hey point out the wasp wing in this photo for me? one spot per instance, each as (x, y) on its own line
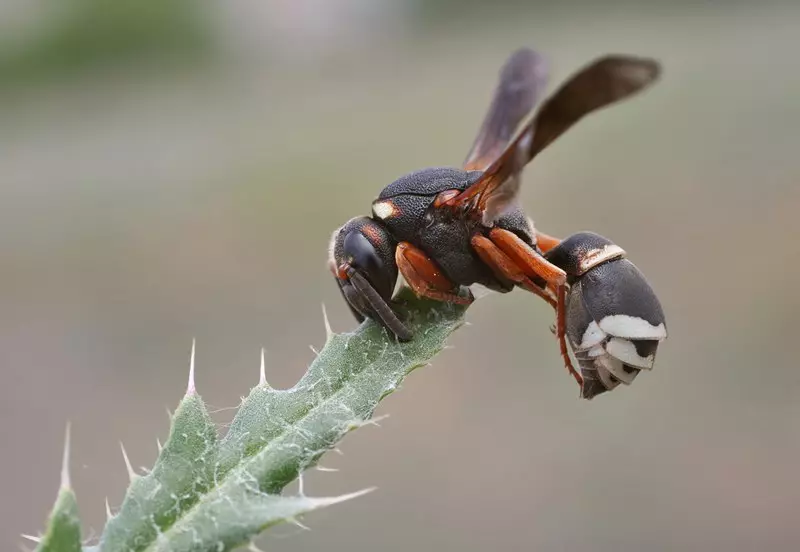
(521, 83)
(601, 83)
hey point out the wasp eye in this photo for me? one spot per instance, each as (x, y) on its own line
(365, 258)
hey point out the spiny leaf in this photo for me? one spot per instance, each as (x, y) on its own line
(236, 520)
(183, 471)
(64, 527)
(210, 495)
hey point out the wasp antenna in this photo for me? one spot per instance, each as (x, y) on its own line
(380, 307)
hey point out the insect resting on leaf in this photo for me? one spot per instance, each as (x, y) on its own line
(444, 229)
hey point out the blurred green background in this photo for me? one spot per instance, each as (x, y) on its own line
(173, 169)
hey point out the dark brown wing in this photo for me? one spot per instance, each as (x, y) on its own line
(601, 83)
(522, 81)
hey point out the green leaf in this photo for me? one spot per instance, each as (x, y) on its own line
(63, 532)
(205, 494)
(183, 472)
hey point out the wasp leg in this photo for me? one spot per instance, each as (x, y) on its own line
(425, 277)
(528, 259)
(505, 268)
(561, 333)
(504, 248)
(545, 241)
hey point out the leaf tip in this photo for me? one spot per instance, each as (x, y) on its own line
(262, 376)
(65, 480)
(357, 424)
(295, 521)
(131, 474)
(190, 388)
(31, 538)
(349, 496)
(328, 331)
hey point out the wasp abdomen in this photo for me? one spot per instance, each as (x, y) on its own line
(614, 321)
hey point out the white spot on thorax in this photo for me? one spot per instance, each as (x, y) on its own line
(384, 209)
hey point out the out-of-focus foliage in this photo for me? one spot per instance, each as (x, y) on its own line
(450, 9)
(76, 35)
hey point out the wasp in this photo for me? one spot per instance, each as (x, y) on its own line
(444, 229)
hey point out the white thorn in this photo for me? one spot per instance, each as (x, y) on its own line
(294, 521)
(169, 414)
(338, 451)
(65, 482)
(324, 469)
(328, 331)
(262, 377)
(31, 538)
(190, 389)
(131, 474)
(376, 420)
(158, 444)
(253, 548)
(109, 515)
(314, 350)
(300, 485)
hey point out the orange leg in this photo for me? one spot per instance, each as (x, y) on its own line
(505, 267)
(526, 257)
(546, 242)
(507, 254)
(425, 278)
(561, 333)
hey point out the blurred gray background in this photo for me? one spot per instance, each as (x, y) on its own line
(173, 169)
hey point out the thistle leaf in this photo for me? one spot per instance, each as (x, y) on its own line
(205, 494)
(183, 472)
(63, 532)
